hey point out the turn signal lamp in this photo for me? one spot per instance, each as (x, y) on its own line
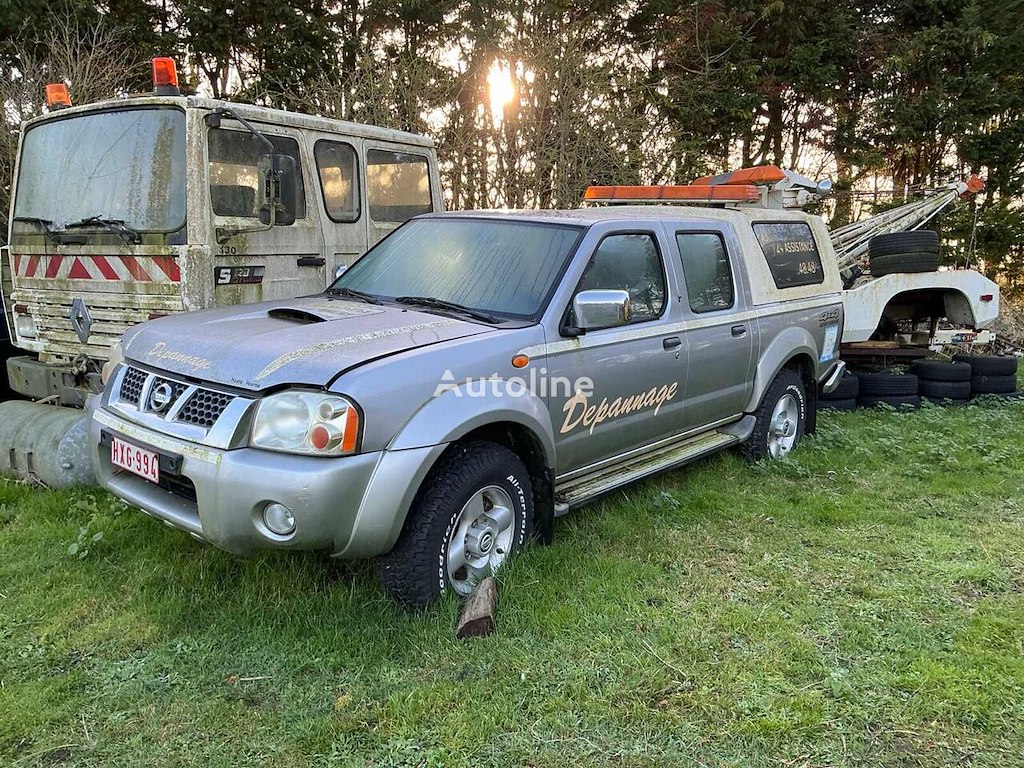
(57, 96)
(165, 76)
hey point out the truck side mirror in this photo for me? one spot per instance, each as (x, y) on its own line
(601, 309)
(278, 190)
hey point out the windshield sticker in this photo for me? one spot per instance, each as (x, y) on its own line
(361, 338)
(578, 410)
(161, 352)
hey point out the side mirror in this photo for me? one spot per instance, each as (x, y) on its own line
(278, 191)
(601, 309)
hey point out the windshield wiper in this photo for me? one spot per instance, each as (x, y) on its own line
(117, 226)
(427, 301)
(61, 238)
(44, 224)
(352, 293)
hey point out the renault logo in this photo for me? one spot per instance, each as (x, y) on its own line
(81, 321)
(161, 396)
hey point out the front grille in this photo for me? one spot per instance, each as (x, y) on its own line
(131, 385)
(204, 407)
(179, 485)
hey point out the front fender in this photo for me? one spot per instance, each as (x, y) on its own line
(460, 409)
(789, 343)
(418, 445)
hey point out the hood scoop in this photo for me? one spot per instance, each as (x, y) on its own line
(296, 314)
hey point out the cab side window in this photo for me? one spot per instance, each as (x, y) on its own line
(629, 262)
(234, 171)
(706, 270)
(337, 165)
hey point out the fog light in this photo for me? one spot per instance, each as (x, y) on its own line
(279, 519)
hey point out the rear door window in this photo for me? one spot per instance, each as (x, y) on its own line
(234, 172)
(338, 168)
(791, 252)
(397, 185)
(706, 270)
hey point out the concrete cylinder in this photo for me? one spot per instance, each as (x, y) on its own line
(46, 443)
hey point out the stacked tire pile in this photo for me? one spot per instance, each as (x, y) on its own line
(844, 396)
(900, 252)
(898, 390)
(990, 375)
(941, 382)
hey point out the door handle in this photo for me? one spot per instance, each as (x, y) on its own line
(672, 342)
(310, 261)
(739, 330)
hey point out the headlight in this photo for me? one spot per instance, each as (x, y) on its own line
(313, 423)
(115, 359)
(25, 325)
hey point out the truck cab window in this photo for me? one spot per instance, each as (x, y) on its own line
(337, 165)
(629, 262)
(397, 185)
(234, 172)
(706, 271)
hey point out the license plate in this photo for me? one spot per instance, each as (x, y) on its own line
(137, 460)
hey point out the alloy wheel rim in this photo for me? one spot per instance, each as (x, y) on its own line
(481, 538)
(783, 426)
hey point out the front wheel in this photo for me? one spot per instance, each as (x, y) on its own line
(473, 512)
(780, 418)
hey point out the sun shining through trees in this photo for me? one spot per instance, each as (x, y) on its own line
(502, 89)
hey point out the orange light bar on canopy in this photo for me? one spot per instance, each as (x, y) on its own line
(760, 174)
(678, 193)
(57, 96)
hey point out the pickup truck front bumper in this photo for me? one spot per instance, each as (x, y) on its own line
(349, 506)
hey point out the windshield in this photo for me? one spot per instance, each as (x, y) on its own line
(126, 165)
(501, 266)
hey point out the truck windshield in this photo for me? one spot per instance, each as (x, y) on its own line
(126, 165)
(492, 265)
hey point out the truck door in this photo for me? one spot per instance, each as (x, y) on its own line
(281, 262)
(719, 331)
(398, 187)
(636, 370)
(340, 185)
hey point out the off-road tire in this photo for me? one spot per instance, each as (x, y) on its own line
(838, 405)
(954, 390)
(787, 382)
(989, 365)
(886, 384)
(848, 387)
(899, 402)
(901, 263)
(918, 241)
(993, 385)
(940, 370)
(415, 572)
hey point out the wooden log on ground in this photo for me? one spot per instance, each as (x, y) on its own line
(477, 617)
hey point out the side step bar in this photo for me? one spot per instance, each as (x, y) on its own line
(578, 490)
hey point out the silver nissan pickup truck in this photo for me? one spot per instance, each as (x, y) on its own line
(472, 377)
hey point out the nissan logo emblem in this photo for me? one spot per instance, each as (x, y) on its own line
(161, 396)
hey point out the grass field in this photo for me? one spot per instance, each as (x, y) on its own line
(861, 603)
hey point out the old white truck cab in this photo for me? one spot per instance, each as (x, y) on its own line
(134, 208)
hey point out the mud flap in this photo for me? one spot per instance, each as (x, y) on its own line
(544, 507)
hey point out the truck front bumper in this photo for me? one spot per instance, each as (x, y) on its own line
(36, 380)
(350, 506)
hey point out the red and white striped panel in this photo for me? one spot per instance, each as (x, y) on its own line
(145, 269)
